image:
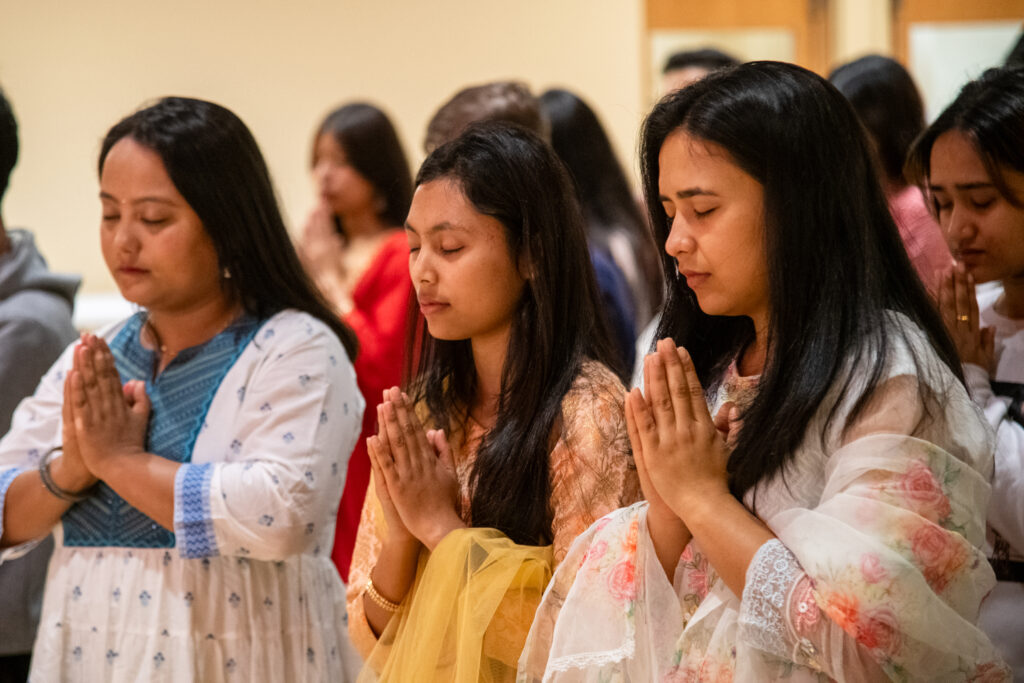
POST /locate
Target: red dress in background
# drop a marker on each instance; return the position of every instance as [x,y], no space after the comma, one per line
[381,302]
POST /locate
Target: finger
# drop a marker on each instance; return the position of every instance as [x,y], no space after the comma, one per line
[415,434]
[81,411]
[677,387]
[444,450]
[698,404]
[659,401]
[396,438]
[638,450]
[723,418]
[67,410]
[140,404]
[644,423]
[109,381]
[947,304]
[961,297]
[972,304]
[378,464]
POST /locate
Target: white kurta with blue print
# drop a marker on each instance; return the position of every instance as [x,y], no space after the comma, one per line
[249,592]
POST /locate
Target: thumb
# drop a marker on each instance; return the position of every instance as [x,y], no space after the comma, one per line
[440,444]
[724,419]
[138,400]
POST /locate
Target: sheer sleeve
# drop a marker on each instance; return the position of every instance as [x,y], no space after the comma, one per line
[592,468]
[855,586]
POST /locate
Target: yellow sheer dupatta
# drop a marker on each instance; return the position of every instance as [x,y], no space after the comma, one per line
[468,613]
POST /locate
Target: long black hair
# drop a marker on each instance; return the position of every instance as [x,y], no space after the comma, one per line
[989,111]
[836,262]
[510,174]
[372,148]
[889,105]
[580,141]
[214,162]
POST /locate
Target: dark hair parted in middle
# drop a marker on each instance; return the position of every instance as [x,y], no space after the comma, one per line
[372,148]
[510,174]
[214,162]
[835,260]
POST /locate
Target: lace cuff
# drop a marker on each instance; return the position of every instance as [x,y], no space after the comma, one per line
[771,576]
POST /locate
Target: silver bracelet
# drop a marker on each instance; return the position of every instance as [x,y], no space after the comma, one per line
[51,485]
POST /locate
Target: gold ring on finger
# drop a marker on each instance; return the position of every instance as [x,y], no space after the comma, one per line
[963,318]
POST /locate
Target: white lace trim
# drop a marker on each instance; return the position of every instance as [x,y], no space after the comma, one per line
[772,574]
[597,659]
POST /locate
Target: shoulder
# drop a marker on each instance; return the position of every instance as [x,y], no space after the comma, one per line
[291,330]
[593,414]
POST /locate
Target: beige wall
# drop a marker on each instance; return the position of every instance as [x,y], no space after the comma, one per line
[72,69]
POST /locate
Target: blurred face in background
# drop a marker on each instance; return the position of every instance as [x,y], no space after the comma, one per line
[338,183]
[984,229]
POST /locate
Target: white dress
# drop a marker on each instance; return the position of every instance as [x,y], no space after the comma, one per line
[877,569]
[1002,613]
[247,590]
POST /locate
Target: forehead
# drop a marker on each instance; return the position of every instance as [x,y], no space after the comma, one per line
[441,206]
[685,161]
[955,160]
[131,168]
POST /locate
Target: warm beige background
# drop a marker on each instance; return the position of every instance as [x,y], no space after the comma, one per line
[72,69]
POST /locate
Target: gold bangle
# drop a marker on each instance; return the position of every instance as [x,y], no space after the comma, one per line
[379,599]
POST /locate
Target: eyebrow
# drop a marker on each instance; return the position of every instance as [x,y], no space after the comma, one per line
[691,192]
[440,227]
[159,200]
[963,186]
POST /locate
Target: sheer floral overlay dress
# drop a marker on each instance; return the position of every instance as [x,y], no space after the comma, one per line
[473,599]
[876,573]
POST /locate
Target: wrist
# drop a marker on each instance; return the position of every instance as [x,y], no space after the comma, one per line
[700,503]
[437,531]
[114,462]
[70,475]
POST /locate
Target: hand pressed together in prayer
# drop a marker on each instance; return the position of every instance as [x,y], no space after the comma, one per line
[958,305]
[414,472]
[109,419]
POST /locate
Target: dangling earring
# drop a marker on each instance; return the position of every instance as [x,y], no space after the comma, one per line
[226,274]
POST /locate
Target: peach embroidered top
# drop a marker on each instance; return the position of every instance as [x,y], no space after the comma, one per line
[592,473]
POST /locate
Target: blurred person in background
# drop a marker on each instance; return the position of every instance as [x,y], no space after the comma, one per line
[971,162]
[685,67]
[615,223]
[35,326]
[889,106]
[355,249]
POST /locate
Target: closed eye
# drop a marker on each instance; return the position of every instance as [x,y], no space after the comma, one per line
[449,252]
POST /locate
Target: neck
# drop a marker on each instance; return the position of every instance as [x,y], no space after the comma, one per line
[5,242]
[1011,304]
[363,223]
[489,355]
[754,356]
[181,329]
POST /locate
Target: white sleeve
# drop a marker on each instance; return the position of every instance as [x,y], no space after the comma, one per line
[290,451]
[35,429]
[1006,508]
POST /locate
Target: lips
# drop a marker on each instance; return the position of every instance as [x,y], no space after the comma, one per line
[429,306]
[694,278]
[131,270]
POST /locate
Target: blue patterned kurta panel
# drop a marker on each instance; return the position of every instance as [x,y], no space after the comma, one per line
[180,396]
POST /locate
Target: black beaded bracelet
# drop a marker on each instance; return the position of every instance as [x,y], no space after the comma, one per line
[51,485]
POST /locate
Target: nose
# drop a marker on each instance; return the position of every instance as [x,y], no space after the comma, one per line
[421,268]
[960,225]
[679,239]
[124,238]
